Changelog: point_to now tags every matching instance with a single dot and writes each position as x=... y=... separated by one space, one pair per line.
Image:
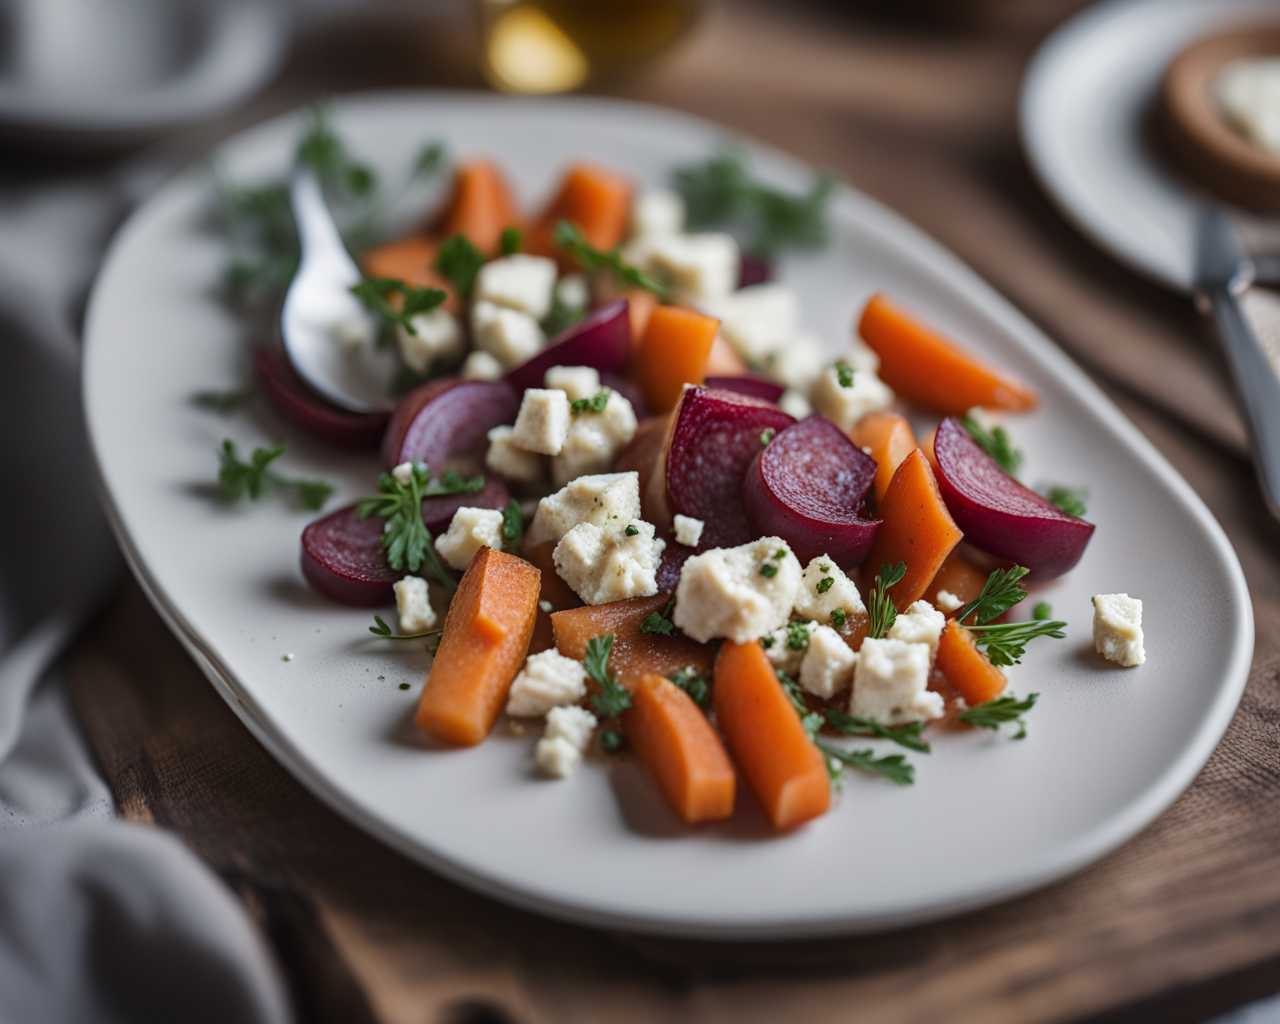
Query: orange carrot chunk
x=966 y=668
x=597 y=201
x=932 y=371
x=672 y=352
x=779 y=762
x=483 y=645
x=890 y=440
x=409 y=259
x=959 y=577
x=674 y=740
x=481 y=207
x=915 y=528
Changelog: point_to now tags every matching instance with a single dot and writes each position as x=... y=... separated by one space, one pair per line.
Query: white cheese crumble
x=657 y=211
x=688 y=530
x=413 y=605
x=573 y=291
x=862 y=356
x=610 y=563
x=542 y=422
x=575 y=381
x=470 y=529
x=759 y=320
x=1248 y=94
x=508 y=335
x=921 y=623
x=844 y=406
x=594 y=440
x=784 y=655
x=798 y=363
x=519 y=282
x=510 y=461
x=739 y=593
x=890 y=683
x=828 y=663
x=438 y=341
x=481 y=366
x=564 y=741
x=603 y=499
x=948 y=601
x=699 y=267
x=1117 y=629
x=403 y=472
x=794 y=404
x=548 y=680
x=817 y=599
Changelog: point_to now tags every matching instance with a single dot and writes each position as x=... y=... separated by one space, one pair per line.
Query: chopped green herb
x=612 y=699
x=844 y=373
x=655 y=623
x=567 y=237
x=1043 y=610
x=1069 y=499
x=767 y=435
x=1000 y=593
x=223 y=401
x=780 y=554
x=996 y=443
x=893 y=767
x=404 y=686
x=510 y=240
x=994 y=713
x=692 y=684
x=373 y=292
x=825 y=584
x=795 y=694
x=430 y=159
x=631 y=530
x=251 y=479
x=323 y=152
x=459 y=262
x=838 y=618
x=855 y=725
x=596 y=403
x=797 y=636
x=512 y=525
x=880 y=607
x=384 y=631
x=767 y=641
x=768 y=570
x=1006 y=643
x=611 y=741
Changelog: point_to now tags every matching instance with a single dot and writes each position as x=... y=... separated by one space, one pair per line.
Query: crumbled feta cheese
x=470 y=529
x=548 y=680
x=785 y=647
x=740 y=593
x=1117 y=629
x=556 y=757
x=564 y=741
x=759 y=320
x=508 y=335
x=575 y=381
x=794 y=404
x=403 y=472
x=573 y=291
x=818 y=599
x=1247 y=92
x=700 y=268
x=481 y=366
x=611 y=563
x=657 y=211
x=413 y=605
x=844 y=406
x=594 y=440
x=798 y=363
x=890 y=683
x=542 y=422
x=828 y=663
x=862 y=356
x=603 y=499
x=688 y=530
x=438 y=343
x=921 y=623
x=510 y=461
x=520 y=282
x=354 y=332
x=948 y=601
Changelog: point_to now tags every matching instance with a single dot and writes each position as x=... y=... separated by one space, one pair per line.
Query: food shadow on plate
x=294 y=592
x=1087 y=655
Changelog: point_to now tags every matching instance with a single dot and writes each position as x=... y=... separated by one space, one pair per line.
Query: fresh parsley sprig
x=1070 y=500
x=596 y=403
x=894 y=767
x=384 y=631
x=512 y=525
x=693 y=684
x=855 y=725
x=373 y=292
x=655 y=623
x=223 y=401
x=996 y=443
x=459 y=261
x=881 y=611
x=567 y=237
x=996 y=712
x=237 y=479
x=1006 y=643
x=1000 y=593
x=510 y=241
x=612 y=699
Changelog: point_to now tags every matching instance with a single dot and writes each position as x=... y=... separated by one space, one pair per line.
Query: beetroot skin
x=303 y=407
x=1000 y=516
x=806 y=486
x=602 y=339
x=754 y=384
x=444 y=418
x=716 y=436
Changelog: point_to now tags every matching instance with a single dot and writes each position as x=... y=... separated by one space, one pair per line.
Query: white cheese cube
x=510 y=461
x=519 y=282
x=794 y=404
x=575 y=381
x=1117 y=629
x=785 y=647
x=798 y=363
x=921 y=623
x=573 y=291
x=437 y=345
x=413 y=605
x=862 y=356
x=657 y=211
x=948 y=601
x=594 y=440
x=481 y=366
x=548 y=680
x=890 y=683
x=699 y=268
x=542 y=422
x=508 y=335
x=564 y=741
x=604 y=499
x=819 y=599
x=556 y=757
x=828 y=663
x=757 y=321
x=612 y=563
x=739 y=593
x=470 y=529
x=688 y=530
x=403 y=472
x=845 y=404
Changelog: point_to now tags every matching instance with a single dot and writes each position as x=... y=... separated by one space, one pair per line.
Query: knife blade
x=1224 y=273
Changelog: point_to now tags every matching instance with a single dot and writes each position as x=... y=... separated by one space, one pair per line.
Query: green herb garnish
x=567 y=237
x=510 y=240
x=1000 y=593
x=1006 y=643
x=430 y=160
x=825 y=584
x=767 y=641
x=855 y=725
x=894 y=767
x=512 y=525
x=838 y=618
x=611 y=741
x=596 y=403
x=251 y=479
x=996 y=443
x=612 y=699
x=797 y=636
x=459 y=262
x=373 y=292
x=1069 y=499
x=881 y=611
x=994 y=713
x=768 y=570
x=657 y=624
x=1042 y=611
x=384 y=631
x=767 y=435
x=844 y=373
x=692 y=684
x=223 y=401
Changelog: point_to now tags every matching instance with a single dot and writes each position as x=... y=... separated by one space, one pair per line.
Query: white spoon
x=328 y=333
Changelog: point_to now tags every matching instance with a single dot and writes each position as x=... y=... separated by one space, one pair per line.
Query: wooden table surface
x=1181 y=923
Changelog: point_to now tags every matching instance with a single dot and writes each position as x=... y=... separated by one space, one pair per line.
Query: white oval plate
x=1085 y=122
x=989 y=817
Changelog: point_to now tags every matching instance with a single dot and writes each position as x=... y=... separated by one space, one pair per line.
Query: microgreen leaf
x=656 y=624
x=510 y=240
x=994 y=713
x=596 y=403
x=692 y=684
x=512 y=525
x=373 y=292
x=612 y=699
x=1000 y=593
x=223 y=401
x=881 y=611
x=384 y=631
x=1042 y=611
x=611 y=741
x=1006 y=642
x=567 y=237
x=1069 y=499
x=855 y=725
x=996 y=443
x=767 y=435
x=894 y=767
x=237 y=479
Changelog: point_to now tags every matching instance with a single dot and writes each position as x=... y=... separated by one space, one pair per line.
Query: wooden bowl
x=1201 y=140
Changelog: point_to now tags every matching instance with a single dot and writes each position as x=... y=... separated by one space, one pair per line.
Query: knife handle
x=1257 y=378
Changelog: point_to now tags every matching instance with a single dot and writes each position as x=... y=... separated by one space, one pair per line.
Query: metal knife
x=1224 y=272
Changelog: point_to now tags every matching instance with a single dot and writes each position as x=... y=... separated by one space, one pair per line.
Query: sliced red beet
x=317 y=416
x=754 y=384
x=1000 y=516
x=807 y=486
x=444 y=418
x=602 y=339
x=716 y=435
x=673 y=558
x=342 y=555
x=754 y=271
x=629 y=390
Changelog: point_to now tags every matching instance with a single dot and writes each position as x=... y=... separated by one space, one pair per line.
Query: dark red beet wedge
x=320 y=418
x=806 y=486
x=444 y=418
x=602 y=340
x=1000 y=516
x=716 y=435
x=753 y=384
x=629 y=390
x=437 y=512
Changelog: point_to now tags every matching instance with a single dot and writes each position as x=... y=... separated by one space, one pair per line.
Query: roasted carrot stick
x=597 y=201
x=887 y=438
x=481 y=207
x=966 y=668
x=409 y=259
x=673 y=352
